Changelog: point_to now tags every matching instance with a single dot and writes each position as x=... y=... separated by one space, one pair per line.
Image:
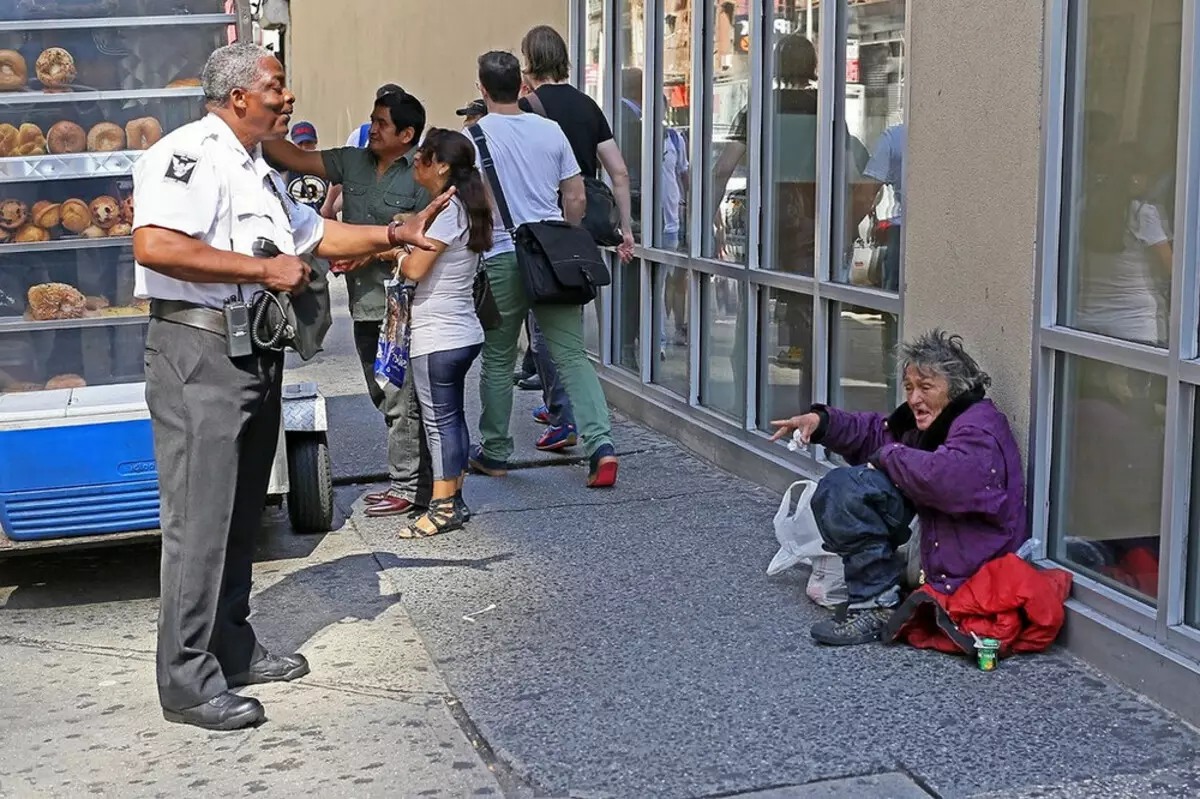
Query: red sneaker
x=603 y=468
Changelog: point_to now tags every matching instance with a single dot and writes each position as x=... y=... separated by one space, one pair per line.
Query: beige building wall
x=973 y=178
x=339 y=53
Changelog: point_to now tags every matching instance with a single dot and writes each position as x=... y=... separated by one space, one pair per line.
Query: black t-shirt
x=580 y=119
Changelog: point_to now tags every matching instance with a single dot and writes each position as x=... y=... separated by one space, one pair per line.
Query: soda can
x=987 y=652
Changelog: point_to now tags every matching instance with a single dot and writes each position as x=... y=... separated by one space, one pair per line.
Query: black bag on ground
x=602 y=218
x=560 y=263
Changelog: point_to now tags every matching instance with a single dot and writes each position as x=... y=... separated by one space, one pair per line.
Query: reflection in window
x=594 y=65
x=728 y=129
x=862 y=363
x=675 y=183
x=629 y=114
x=723 y=346
x=672 y=309
x=1107 y=473
x=785 y=357
x=627 y=314
x=591 y=327
x=1118 y=203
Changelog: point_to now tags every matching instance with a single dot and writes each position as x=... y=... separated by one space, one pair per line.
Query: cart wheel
x=310 y=475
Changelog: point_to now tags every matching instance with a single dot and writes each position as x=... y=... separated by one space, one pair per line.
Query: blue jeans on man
x=553 y=393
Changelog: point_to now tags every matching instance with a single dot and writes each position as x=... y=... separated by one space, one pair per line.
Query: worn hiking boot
x=855 y=627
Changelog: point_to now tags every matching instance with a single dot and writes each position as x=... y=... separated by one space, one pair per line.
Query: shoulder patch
x=181 y=167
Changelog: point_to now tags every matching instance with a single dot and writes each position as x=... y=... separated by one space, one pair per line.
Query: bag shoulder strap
x=535 y=103
x=489 y=167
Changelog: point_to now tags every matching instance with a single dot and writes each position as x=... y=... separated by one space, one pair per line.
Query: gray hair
x=937 y=353
x=234 y=66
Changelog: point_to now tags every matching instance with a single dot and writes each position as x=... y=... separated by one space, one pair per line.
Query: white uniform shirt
x=200 y=181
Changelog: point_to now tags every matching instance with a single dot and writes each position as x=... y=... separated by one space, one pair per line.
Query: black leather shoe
x=223 y=712
x=271 y=668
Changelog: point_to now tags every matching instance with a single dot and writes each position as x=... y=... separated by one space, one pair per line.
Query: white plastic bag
x=800 y=542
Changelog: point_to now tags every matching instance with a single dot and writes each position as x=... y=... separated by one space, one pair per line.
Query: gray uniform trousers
x=216 y=426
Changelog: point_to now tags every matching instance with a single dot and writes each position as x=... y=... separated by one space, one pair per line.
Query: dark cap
x=475 y=108
x=303 y=131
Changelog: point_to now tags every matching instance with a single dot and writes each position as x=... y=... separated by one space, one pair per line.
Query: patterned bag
x=395 y=334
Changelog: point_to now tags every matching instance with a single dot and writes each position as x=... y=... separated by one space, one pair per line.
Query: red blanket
x=1007 y=599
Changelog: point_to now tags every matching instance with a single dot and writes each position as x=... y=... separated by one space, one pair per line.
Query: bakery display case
x=85 y=87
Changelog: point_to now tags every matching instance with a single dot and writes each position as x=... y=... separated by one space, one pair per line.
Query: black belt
x=189 y=314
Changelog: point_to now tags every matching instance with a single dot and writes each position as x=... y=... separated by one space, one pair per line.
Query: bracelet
x=391 y=233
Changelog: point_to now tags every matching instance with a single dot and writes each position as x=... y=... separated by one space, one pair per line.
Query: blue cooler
x=77 y=462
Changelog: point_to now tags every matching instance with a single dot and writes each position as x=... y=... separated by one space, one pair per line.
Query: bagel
x=55 y=68
x=75 y=215
x=13 y=214
x=105 y=137
x=184 y=83
x=106 y=211
x=66 y=137
x=31 y=233
x=141 y=134
x=30 y=140
x=14 y=72
x=8 y=139
x=46 y=214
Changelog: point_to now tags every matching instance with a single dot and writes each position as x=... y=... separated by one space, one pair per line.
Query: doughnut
x=106 y=211
x=65 y=381
x=55 y=301
x=127 y=210
x=75 y=215
x=31 y=233
x=13 y=214
x=55 y=68
x=184 y=83
x=66 y=137
x=121 y=229
x=105 y=137
x=46 y=214
x=14 y=73
x=8 y=139
x=141 y=134
x=30 y=140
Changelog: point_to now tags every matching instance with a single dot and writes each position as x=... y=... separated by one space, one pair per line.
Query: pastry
x=105 y=137
x=8 y=139
x=55 y=301
x=127 y=210
x=13 y=214
x=121 y=229
x=93 y=232
x=106 y=211
x=66 y=137
x=14 y=73
x=30 y=140
x=75 y=215
x=31 y=233
x=141 y=134
x=184 y=83
x=46 y=214
x=97 y=303
x=55 y=68
x=65 y=381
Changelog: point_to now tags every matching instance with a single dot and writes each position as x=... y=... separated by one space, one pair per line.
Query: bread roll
x=14 y=72
x=55 y=301
x=46 y=214
x=30 y=140
x=143 y=133
x=121 y=229
x=31 y=233
x=65 y=381
x=106 y=211
x=93 y=232
x=127 y=210
x=75 y=215
x=13 y=214
x=97 y=303
x=8 y=139
x=55 y=68
x=66 y=137
x=184 y=83
x=105 y=137
x=20 y=387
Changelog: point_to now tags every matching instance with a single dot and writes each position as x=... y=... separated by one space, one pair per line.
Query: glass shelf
x=22 y=25
x=63 y=244
x=15 y=324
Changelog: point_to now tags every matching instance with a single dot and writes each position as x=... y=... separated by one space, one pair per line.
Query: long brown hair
x=546 y=56
x=457 y=152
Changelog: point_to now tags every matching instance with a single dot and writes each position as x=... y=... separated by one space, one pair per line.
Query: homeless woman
x=946 y=455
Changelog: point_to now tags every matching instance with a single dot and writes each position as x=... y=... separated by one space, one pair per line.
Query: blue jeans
x=440 y=380
x=553 y=393
x=864 y=518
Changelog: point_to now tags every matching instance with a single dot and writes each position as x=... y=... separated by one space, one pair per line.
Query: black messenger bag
x=560 y=263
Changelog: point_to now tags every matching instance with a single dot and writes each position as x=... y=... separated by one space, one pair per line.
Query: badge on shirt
x=181 y=168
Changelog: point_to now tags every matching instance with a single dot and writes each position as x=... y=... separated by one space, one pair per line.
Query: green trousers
x=562 y=325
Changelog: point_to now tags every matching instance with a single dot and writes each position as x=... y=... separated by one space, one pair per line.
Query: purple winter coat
x=963 y=475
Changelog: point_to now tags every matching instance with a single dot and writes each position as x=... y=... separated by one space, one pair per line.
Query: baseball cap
x=303 y=131
x=475 y=108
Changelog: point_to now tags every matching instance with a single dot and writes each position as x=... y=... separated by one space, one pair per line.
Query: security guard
x=203 y=196
x=378 y=184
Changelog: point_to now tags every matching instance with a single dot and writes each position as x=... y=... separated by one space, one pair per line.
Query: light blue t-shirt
x=887 y=164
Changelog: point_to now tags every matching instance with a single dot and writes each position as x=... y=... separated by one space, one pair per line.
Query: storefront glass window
x=672 y=312
x=1106 y=482
x=628 y=114
x=1118 y=203
x=594 y=44
x=591 y=327
x=675 y=174
x=875 y=143
x=627 y=291
x=727 y=218
x=792 y=169
x=785 y=356
x=862 y=362
x=723 y=346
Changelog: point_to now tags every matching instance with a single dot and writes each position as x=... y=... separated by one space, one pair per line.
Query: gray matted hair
x=234 y=66
x=941 y=354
